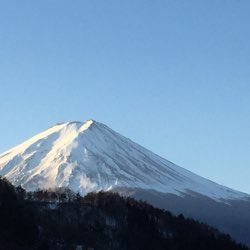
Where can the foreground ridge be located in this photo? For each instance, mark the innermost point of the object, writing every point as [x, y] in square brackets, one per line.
[61, 219]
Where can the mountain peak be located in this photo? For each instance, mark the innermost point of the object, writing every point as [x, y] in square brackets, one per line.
[86, 125]
[89, 156]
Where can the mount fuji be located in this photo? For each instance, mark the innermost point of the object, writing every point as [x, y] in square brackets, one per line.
[90, 156]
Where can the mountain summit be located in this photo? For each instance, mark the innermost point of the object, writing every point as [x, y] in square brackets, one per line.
[90, 156]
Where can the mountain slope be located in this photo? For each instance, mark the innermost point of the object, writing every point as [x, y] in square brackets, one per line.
[91, 157]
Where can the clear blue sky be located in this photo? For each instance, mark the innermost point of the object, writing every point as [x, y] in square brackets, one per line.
[172, 75]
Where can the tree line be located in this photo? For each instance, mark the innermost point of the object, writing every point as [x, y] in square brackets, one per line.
[103, 220]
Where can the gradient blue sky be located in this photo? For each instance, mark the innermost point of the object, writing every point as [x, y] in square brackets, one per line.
[172, 75]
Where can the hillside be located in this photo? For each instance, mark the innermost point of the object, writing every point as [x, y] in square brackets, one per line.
[61, 219]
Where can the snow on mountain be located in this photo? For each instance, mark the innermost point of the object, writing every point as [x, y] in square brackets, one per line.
[90, 157]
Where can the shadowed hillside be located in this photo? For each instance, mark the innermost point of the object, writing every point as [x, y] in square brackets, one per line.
[61, 219]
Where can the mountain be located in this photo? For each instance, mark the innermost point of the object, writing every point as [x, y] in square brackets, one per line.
[90, 156]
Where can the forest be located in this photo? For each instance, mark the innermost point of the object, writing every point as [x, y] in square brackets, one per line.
[61, 219]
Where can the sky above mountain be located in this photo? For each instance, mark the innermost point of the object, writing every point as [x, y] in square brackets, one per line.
[171, 75]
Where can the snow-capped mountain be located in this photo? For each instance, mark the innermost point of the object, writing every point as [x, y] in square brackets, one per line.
[91, 157]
